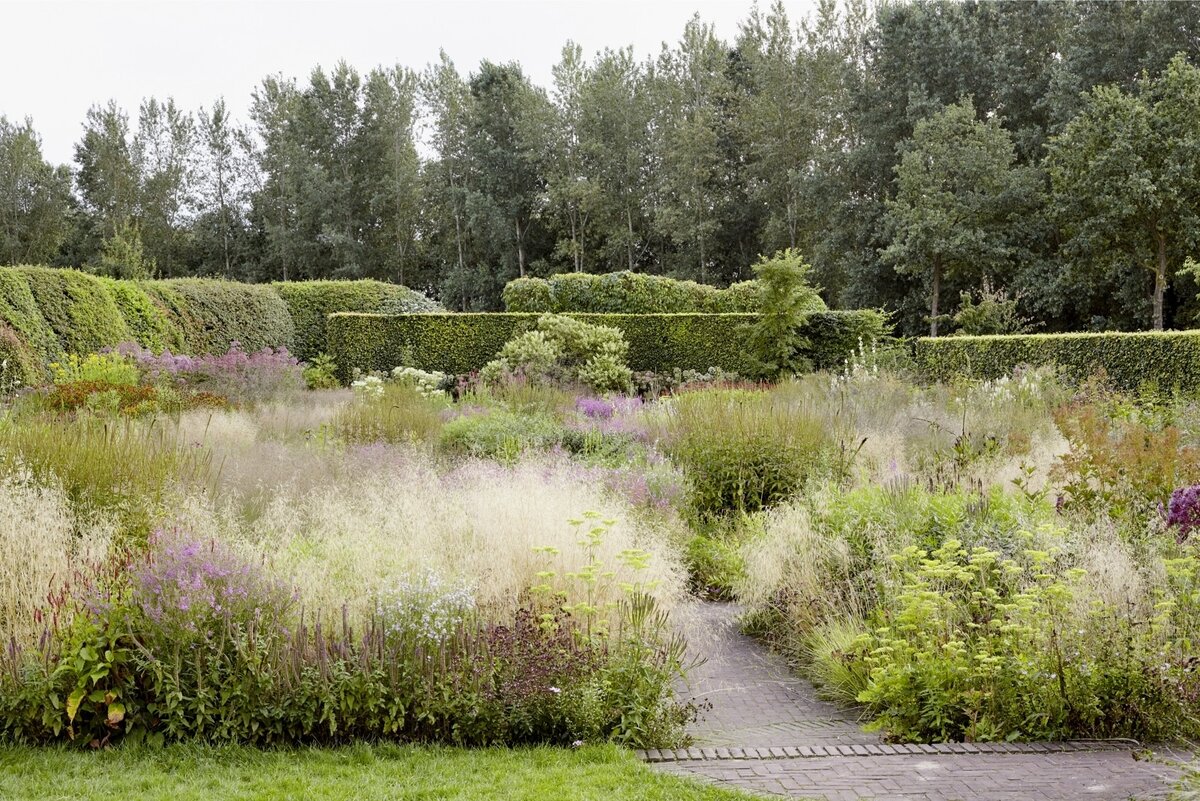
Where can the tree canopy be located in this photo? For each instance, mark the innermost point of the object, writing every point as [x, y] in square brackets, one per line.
[908, 150]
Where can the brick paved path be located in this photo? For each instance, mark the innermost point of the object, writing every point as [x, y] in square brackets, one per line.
[767, 732]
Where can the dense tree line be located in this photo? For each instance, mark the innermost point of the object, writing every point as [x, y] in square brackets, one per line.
[919, 154]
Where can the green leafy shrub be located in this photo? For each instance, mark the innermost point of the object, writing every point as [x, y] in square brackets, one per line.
[742, 450]
[635, 293]
[660, 343]
[78, 307]
[212, 314]
[321, 372]
[978, 646]
[1166, 360]
[776, 341]
[995, 313]
[564, 350]
[310, 302]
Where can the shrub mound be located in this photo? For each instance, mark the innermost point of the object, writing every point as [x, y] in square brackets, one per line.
[634, 293]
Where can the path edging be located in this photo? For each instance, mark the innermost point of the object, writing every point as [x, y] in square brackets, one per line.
[708, 754]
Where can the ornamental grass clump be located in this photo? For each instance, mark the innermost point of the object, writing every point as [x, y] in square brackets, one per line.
[117, 469]
[741, 450]
[386, 411]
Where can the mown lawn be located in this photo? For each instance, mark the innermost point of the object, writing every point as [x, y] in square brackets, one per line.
[361, 773]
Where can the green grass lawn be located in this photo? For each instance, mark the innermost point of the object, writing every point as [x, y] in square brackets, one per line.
[361, 773]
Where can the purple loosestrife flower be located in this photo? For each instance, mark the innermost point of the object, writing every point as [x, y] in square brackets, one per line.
[185, 585]
[595, 408]
[1183, 510]
[235, 374]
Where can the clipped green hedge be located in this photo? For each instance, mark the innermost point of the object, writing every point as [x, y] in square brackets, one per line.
[78, 307]
[633, 293]
[147, 319]
[212, 314]
[311, 302]
[1168, 360]
[47, 312]
[461, 343]
[27, 342]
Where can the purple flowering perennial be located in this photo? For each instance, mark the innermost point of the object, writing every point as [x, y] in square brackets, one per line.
[1183, 510]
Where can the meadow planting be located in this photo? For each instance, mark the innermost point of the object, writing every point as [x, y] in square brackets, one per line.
[234, 548]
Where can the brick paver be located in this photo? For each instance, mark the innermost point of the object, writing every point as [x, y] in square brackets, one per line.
[767, 732]
[756, 700]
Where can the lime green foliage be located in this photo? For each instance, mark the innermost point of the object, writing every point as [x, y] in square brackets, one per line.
[961, 614]
[358, 773]
[108, 368]
[501, 434]
[78, 307]
[977, 645]
[741, 450]
[150, 326]
[310, 302]
[1169, 360]
[321, 372]
[777, 343]
[714, 556]
[462, 343]
[565, 350]
[636, 293]
[214, 313]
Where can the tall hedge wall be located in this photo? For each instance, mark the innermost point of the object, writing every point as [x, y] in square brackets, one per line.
[213, 313]
[460, 343]
[1168, 360]
[46, 312]
[633, 293]
[79, 308]
[310, 302]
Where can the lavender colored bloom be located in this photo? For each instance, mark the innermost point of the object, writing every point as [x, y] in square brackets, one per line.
[595, 408]
[235, 374]
[1183, 510]
[184, 584]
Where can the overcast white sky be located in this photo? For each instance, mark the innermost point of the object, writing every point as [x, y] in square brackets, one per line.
[58, 58]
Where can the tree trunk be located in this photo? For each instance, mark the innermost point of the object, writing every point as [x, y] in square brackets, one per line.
[520, 250]
[629, 244]
[1160, 281]
[574, 242]
[933, 302]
